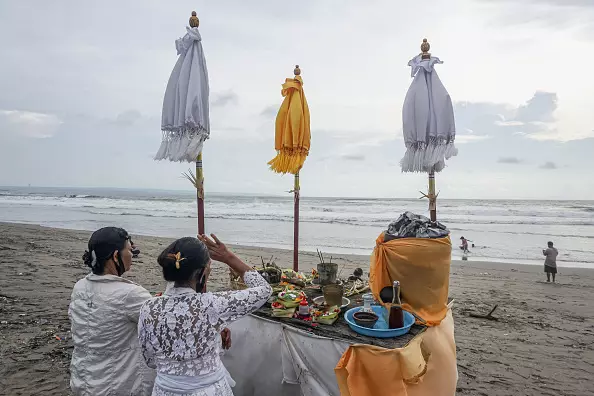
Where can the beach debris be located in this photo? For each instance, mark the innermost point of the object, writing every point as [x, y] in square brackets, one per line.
[488, 316]
[357, 274]
[60, 337]
[357, 287]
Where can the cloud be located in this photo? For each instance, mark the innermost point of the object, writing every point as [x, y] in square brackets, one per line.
[222, 99]
[576, 15]
[127, 118]
[548, 165]
[534, 119]
[469, 138]
[539, 108]
[29, 124]
[509, 160]
[269, 111]
[353, 157]
[558, 3]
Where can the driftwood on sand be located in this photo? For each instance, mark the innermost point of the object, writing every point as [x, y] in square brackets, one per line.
[488, 316]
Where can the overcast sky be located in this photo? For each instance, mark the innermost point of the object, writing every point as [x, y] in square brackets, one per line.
[82, 84]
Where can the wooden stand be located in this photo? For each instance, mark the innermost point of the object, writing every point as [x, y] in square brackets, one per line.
[296, 189]
[432, 196]
[200, 193]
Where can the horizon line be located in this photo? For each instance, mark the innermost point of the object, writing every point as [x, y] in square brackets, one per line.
[271, 195]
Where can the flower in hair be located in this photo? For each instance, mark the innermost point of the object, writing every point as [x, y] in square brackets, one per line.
[178, 259]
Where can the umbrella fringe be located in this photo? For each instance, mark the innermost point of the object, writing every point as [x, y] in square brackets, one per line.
[181, 144]
[162, 152]
[423, 157]
[288, 161]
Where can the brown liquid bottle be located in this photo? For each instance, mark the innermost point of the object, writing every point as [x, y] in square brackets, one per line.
[396, 318]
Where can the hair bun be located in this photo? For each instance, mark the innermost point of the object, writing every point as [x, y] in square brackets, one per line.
[167, 260]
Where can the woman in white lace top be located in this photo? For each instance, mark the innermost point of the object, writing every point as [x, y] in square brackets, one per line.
[179, 332]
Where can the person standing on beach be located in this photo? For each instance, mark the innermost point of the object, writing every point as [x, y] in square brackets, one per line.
[103, 312]
[550, 265]
[178, 332]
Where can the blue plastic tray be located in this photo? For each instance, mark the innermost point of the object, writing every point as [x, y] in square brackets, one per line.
[380, 329]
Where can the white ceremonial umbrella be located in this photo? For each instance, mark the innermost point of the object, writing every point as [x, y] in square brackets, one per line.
[185, 121]
[427, 122]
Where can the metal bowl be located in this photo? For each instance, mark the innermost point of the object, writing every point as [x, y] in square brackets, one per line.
[321, 301]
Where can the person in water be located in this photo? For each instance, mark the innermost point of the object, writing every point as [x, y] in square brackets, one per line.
[550, 264]
[179, 332]
[464, 245]
[103, 312]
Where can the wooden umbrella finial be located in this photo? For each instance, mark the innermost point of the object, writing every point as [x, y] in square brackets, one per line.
[425, 47]
[194, 21]
[297, 70]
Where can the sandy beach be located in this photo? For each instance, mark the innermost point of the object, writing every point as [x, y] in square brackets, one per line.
[542, 344]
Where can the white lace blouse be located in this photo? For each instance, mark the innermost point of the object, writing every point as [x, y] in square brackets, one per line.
[179, 332]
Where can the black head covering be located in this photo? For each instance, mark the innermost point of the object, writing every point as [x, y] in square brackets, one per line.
[102, 244]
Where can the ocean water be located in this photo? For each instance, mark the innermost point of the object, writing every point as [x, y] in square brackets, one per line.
[507, 231]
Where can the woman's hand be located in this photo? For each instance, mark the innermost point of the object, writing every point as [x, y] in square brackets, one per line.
[217, 249]
[226, 337]
[219, 252]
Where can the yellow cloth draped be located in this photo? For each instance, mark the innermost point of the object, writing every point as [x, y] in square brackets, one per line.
[292, 133]
[422, 265]
[426, 366]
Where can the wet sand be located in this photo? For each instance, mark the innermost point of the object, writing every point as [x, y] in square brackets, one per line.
[542, 344]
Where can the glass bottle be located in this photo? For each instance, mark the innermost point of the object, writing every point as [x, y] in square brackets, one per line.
[396, 317]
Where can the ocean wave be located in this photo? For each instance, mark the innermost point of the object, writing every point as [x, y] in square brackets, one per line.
[143, 215]
[79, 196]
[312, 218]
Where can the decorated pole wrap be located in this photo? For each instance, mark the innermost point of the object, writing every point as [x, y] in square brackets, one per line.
[185, 121]
[292, 141]
[428, 123]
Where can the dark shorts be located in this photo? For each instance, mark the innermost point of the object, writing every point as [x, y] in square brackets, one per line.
[550, 270]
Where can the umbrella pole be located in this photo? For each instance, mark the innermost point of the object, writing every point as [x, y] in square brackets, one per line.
[296, 225]
[432, 196]
[200, 193]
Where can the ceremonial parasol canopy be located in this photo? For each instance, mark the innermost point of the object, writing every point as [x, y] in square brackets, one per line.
[292, 133]
[185, 121]
[292, 142]
[427, 122]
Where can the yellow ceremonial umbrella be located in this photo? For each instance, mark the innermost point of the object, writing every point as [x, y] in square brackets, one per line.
[292, 141]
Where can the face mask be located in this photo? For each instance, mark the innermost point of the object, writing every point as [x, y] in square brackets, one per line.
[119, 264]
[201, 283]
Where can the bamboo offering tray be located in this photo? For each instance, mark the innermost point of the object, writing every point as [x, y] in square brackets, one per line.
[340, 330]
